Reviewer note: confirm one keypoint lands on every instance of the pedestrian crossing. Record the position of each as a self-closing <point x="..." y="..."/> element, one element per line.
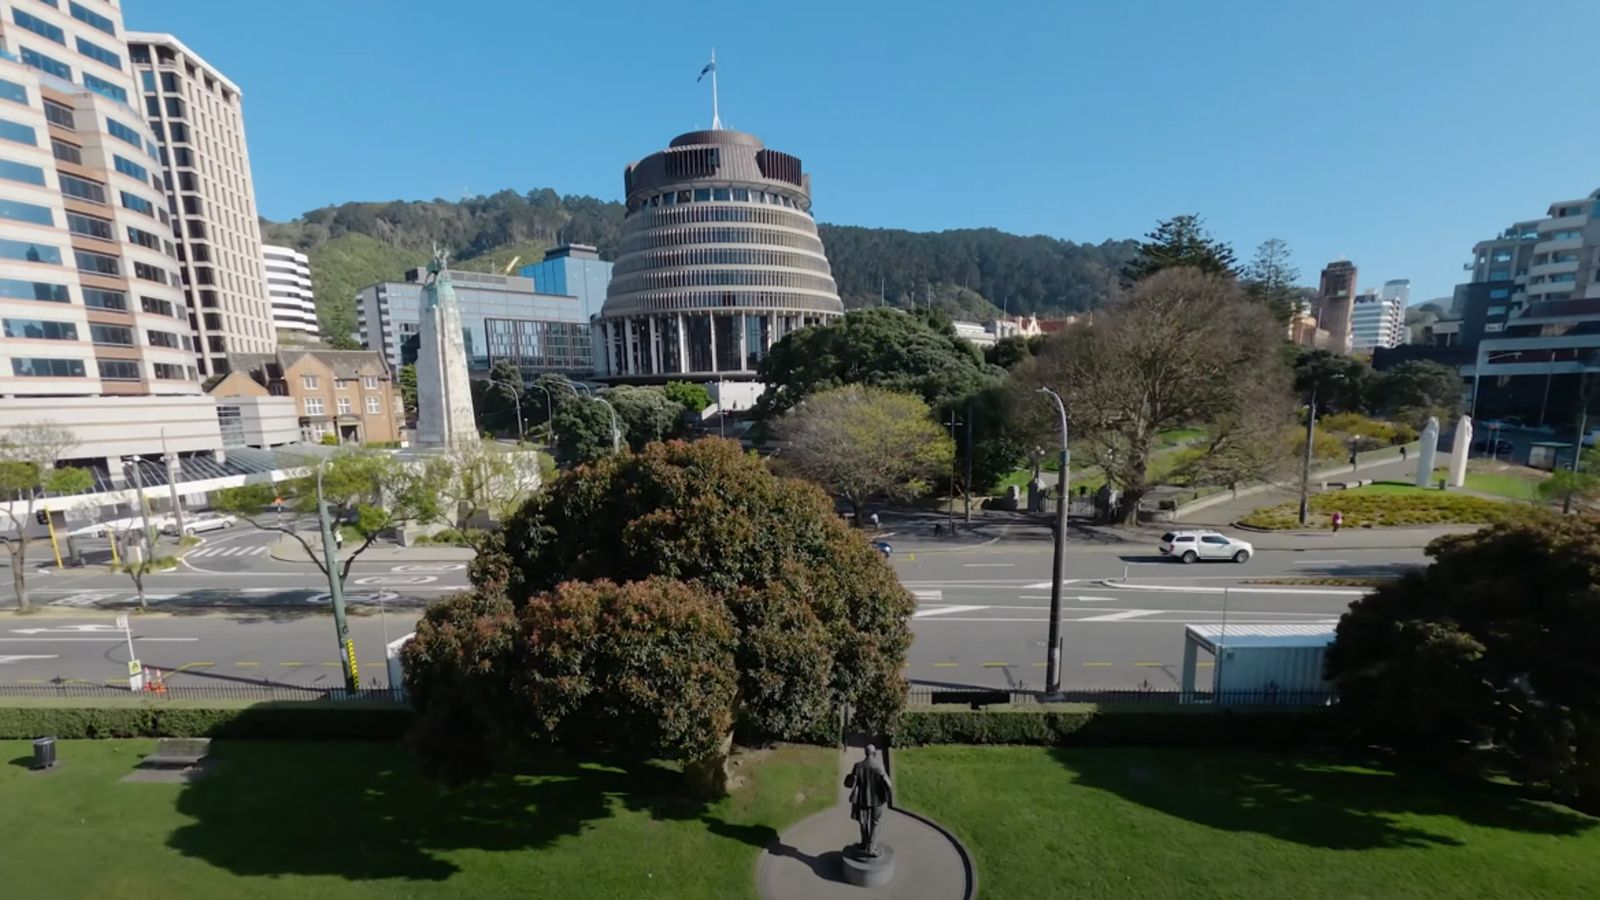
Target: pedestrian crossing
<point x="216" y="552"/>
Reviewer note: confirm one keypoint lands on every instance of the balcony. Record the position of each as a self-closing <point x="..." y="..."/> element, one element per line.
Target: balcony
<point x="1563" y="223"/>
<point x="1554" y="268"/>
<point x="1574" y="243"/>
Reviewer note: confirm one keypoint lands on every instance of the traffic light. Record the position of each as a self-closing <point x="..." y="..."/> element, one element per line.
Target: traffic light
<point x="42" y="517"/>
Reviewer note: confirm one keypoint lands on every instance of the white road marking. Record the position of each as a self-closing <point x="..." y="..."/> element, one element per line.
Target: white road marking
<point x="987" y="565"/>
<point x="88" y="598"/>
<point x="1321" y="562"/>
<point x="94" y="640"/>
<point x="1083" y="599"/>
<point x="14" y="659"/>
<point x="927" y="596"/>
<point x="1192" y="589"/>
<point x="942" y="610"/>
<point x="68" y="629"/>
<point x="423" y="568"/>
<point x="397" y="579"/>
<point x="1124" y="614"/>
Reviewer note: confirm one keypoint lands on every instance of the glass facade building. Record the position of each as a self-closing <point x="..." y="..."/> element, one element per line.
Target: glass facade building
<point x="719" y="259"/>
<point x="575" y="270"/>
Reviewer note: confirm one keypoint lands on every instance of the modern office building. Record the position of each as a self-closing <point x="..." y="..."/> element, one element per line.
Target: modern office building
<point x="288" y="273"/>
<point x="198" y="118"/>
<point x="575" y="270"/>
<point x="502" y="318"/>
<point x="94" y="331"/>
<point x="1397" y="289"/>
<point x="1336" y="296"/>
<point x="719" y="259"/>
<point x="1377" y="321"/>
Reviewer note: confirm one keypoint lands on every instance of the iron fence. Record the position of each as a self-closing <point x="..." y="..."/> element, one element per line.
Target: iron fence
<point x="89" y="690"/>
<point x="981" y="697"/>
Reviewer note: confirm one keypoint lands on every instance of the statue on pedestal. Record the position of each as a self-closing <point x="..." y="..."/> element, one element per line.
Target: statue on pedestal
<point x="444" y="396"/>
<point x="870" y="792"/>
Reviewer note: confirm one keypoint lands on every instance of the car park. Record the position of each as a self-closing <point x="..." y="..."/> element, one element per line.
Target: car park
<point x="1194" y="546"/>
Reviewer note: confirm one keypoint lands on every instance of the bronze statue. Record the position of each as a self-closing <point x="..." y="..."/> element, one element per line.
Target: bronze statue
<point x="870" y="792"/>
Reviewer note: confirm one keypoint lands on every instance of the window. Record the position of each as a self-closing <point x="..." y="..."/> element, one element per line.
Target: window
<point x="158" y="307"/>
<point x="1499" y="293"/>
<point x="27" y="251"/>
<point x="47" y="64"/>
<point x="97" y="263"/>
<point x="374" y="405"/>
<point x="95" y="51"/>
<point x="1565" y="235"/>
<point x="26" y="174"/>
<point x="344" y="406"/>
<point x="119" y="370"/>
<point x="310" y="382"/>
<point x="10" y="90"/>
<point x="34" y="290"/>
<point x="721" y="194"/>
<point x="60" y="115"/>
<point x="89" y="226"/>
<point x="41" y="330"/>
<point x="341" y="384"/>
<point x="192" y="206"/>
<point x="1495" y="326"/>
<point x="182" y="156"/>
<point x="144" y="239"/>
<point x="148" y="79"/>
<point x="25" y="212"/>
<point x="66" y="152"/>
<point x="702" y="195"/>
<point x="47" y="368"/>
<point x="39" y="27"/>
<point x="130" y="168"/>
<point x="175" y="107"/>
<point x="104" y="88"/>
<point x="169" y="82"/>
<point x="111" y="334"/>
<point x="93" y="19"/>
<point x="313" y="406"/>
<point x="1499" y="275"/>
<point x="179" y="132"/>
<point x="123" y="133"/>
<point x="1495" y="311"/>
<point x="163" y="339"/>
<point x="369" y="382"/>
<point x="82" y="188"/>
<point x="168" y="371"/>
<point x="138" y="204"/>
<point x="146" y="272"/>
<point x="187" y="181"/>
<point x="22" y="134"/>
<point x="100" y="299"/>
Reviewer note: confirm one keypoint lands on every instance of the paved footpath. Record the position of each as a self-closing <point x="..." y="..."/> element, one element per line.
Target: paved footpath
<point x="804" y="863"/>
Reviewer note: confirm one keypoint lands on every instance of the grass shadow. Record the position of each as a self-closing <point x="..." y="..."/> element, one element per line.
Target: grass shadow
<point x="23" y="762"/>
<point x="364" y="812"/>
<point x="1325" y="805"/>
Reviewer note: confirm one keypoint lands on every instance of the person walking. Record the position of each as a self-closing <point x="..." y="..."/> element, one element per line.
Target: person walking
<point x="1402" y="452"/>
<point x="1338" y="519"/>
<point x="874" y="520"/>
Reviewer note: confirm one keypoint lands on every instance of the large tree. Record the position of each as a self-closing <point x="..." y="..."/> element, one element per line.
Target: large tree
<point x="1178" y="243"/>
<point x="1419" y="388"/>
<point x="1270" y="279"/>
<point x="1183" y="349"/>
<point x="1341" y="384"/>
<point x="817" y="618"/>
<point x="29" y="471"/>
<point x="1487" y="656"/>
<point x="864" y="443"/>
<point x="878" y="347"/>
<point x="692" y="396"/>
<point x="582" y="428"/>
<point x="478" y="486"/>
<point x="646" y="414"/>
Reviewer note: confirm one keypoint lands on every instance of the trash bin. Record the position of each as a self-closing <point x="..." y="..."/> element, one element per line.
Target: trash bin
<point x="44" y="753"/>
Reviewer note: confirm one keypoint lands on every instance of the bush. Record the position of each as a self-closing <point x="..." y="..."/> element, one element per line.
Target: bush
<point x="1090" y="726"/>
<point x="1386" y="507"/>
<point x="315" y="721"/>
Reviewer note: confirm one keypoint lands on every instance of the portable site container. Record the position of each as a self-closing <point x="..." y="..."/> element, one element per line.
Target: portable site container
<point x="1282" y="663"/>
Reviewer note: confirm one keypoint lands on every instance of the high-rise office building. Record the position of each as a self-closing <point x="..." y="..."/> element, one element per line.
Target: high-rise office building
<point x="1397" y="289"/>
<point x="575" y="270"/>
<point x="1335" y="301"/>
<point x="719" y="259"/>
<point x="94" y="329"/>
<point x="1377" y="320"/>
<point x="288" y="274"/>
<point x="197" y="115"/>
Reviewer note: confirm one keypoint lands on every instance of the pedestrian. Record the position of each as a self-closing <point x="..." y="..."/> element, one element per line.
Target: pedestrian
<point x="1352" y="460"/>
<point x="1402" y="452"/>
<point x="874" y="521"/>
<point x="1338" y="519"/>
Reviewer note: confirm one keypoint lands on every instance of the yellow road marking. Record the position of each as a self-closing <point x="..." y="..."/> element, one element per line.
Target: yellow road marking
<point x="196" y="665"/>
<point x="330" y="665"/>
<point x="291" y="664"/>
<point x="945" y="665"/>
<point x="1205" y="665"/>
<point x="247" y="664"/>
<point x="1101" y="664"/>
<point x="1041" y="665"/>
<point x="1150" y="665"/>
<point x="995" y="665"/>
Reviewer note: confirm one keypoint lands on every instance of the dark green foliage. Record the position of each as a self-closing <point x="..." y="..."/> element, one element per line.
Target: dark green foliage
<point x="408" y="388"/>
<point x="1487" y="657"/>
<point x="1008" y="352"/>
<point x="1270" y="278"/>
<point x="583" y="430"/>
<point x="1139" y="726"/>
<point x="1342" y="383"/>
<point x="877" y="347"/>
<point x="646" y="414"/>
<point x="317" y="721"/>
<point x="691" y="396"/>
<point x="1418" y="384"/>
<point x="1180" y="242"/>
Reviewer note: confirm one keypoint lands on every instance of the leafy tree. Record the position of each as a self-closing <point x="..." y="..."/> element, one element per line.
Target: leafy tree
<point x="877" y="347"/>
<point x="1486" y="658"/>
<point x="408" y="388"/>
<point x="1420" y="384"/>
<point x="863" y="443"/>
<point x="817" y="618"/>
<point x="29" y="471"/>
<point x="583" y="430"/>
<point x="1009" y="352"/>
<point x="479" y="486"/>
<point x="645" y="414"/>
<point x="1342" y="383"/>
<point x="1180" y="242"/>
<point x="138" y="558"/>
<point x="1270" y="279"/>
<point x="337" y="333"/>
<point x="691" y="396"/>
<point x="1182" y="349"/>
<point x="369" y="491"/>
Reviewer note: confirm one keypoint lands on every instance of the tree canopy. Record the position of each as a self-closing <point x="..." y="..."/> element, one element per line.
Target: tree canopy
<point x="691" y="396"/>
<point x="1180" y="242"/>
<point x="647" y="414"/>
<point x="29" y="454"/>
<point x="583" y="430"/>
<point x="1270" y="279"/>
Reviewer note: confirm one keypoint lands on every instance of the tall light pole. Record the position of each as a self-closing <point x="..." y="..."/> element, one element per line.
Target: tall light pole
<point x="549" y="410"/>
<point x="516" y="397"/>
<point x="1052" y="672"/>
<point x="952" y="509"/>
<point x="967" y="493"/>
<point x="1305" y="462"/>
<point x="616" y="433"/>
<point x="330" y="556"/>
<point x="172" y="483"/>
<point x="144" y="508"/>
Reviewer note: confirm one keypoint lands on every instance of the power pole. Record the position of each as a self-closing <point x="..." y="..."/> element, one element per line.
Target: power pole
<point x="966" y="492"/>
<point x="1052" y="675"/>
<point x="953" y="424"/>
<point x="341" y="624"/>
<point x="144" y="508"/>
<point x="171" y="459"/>
<point x="1305" y="463"/>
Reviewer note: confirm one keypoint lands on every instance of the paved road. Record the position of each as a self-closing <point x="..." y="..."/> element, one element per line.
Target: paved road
<point x="982" y="611"/>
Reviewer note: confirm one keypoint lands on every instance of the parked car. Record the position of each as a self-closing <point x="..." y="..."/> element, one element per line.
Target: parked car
<point x="1495" y="448"/>
<point x="201" y="524"/>
<point x="883" y="547"/>
<point x="1193" y="546"/>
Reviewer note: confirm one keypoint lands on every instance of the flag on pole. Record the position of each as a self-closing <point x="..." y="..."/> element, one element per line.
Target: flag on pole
<point x="710" y="67"/>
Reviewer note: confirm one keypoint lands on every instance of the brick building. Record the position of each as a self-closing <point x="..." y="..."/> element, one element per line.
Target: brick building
<point x="348" y="393"/>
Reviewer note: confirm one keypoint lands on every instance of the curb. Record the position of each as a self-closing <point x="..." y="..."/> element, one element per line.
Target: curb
<point x="961" y="849"/>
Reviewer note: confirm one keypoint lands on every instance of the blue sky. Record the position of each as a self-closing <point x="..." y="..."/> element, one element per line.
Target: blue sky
<point x="1391" y="133"/>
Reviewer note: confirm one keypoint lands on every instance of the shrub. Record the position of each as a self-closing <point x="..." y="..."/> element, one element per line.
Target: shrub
<point x="1386" y="507"/>
<point x="317" y="721"/>
<point x="1090" y="726"/>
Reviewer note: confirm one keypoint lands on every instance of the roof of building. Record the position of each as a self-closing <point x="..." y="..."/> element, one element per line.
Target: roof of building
<point x="161" y="37"/>
<point x="345" y="364"/>
<point x="1309" y="634"/>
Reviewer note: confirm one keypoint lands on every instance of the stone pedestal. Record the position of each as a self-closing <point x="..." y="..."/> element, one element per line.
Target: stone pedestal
<point x="868" y="871"/>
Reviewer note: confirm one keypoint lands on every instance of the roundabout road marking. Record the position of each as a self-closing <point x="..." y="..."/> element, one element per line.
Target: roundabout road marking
<point x="397" y="579"/>
<point x="420" y="568"/>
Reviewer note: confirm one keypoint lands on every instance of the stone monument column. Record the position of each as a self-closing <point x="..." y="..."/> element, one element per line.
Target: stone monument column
<point x="444" y="396"/>
<point x="1459" y="451"/>
<point x="1426" y="452"/>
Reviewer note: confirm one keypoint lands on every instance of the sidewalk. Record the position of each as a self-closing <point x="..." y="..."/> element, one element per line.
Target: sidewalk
<point x="1232" y="509"/>
<point x="804" y="862"/>
<point x="290" y="551"/>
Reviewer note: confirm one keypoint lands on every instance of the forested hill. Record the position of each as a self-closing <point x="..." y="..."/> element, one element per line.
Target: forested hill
<point x="966" y="271"/>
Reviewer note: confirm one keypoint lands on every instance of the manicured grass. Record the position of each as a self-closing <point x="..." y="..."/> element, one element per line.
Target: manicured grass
<point x="1048" y="823"/>
<point x="308" y="820"/>
<point x="1389" y="504"/>
<point x="1181" y="436"/>
<point x="1510" y="485"/>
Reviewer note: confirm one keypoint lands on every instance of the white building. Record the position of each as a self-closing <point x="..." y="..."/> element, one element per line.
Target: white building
<point x="288" y="274"/>
<point x="1397" y="289"/>
<point x="1377" y="321"/>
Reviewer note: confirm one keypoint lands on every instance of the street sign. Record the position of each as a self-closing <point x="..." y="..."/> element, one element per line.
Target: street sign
<point x="135" y="667"/>
<point x="122" y="623"/>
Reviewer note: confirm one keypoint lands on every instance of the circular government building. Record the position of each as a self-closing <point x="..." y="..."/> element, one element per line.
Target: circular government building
<point x="719" y="259"/>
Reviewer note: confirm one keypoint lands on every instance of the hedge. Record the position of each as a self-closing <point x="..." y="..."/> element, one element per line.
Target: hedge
<point x="1123" y="727"/>
<point x="266" y="721"/>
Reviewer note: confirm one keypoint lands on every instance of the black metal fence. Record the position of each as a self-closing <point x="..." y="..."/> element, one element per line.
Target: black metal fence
<point x="979" y="698"/>
<point x="89" y="690"/>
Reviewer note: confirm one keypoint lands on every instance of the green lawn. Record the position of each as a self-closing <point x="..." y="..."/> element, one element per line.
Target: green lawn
<point x="337" y="820"/>
<point x="1391" y="504"/>
<point x="1050" y="823"/>
<point x="1511" y="485"/>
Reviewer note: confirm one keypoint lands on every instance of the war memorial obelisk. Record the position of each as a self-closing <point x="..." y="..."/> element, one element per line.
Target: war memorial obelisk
<point x="444" y="397"/>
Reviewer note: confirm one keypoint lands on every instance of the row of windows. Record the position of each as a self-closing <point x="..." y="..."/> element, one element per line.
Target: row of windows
<point x="314" y="406"/>
<point x="721" y="256"/>
<point x="13" y="289"/>
<point x="104" y="88"/>
<point x="116" y="335"/>
<point x="47" y="64"/>
<point x="163" y="339"/>
<point x="47" y="368"/>
<point x="695" y="215"/>
<point x="103" y="299"/>
<point x="21" y="172"/>
<point x="174" y="107"/>
<point x="25" y="212"/>
<point x="144" y="238"/>
<point x="39" y="26"/>
<point x="40" y="330"/>
<point x="724" y="300"/>
<point x="682" y="237"/>
<point x="130" y="168"/>
<point x="123" y="133"/>
<point x="95" y="51"/>
<point x="643" y="281"/>
<point x="716" y="195"/>
<point x="98" y="263"/>
<point x="66" y="152"/>
<point x="10" y="90"/>
<point x="122" y="370"/>
<point x="314" y="382"/>
<point x="27" y="251"/>
<point x="18" y="132"/>
<point x="89" y="226"/>
<point x="82" y="188"/>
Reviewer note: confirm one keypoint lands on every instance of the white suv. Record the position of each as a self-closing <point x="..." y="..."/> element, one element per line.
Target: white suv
<point x="1193" y="546"/>
<point x="201" y="523"/>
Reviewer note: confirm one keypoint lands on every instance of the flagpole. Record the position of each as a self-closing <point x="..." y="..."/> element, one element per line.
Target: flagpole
<point x="716" y="120"/>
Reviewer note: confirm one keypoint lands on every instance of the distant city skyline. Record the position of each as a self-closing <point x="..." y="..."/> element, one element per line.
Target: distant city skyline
<point x="1085" y="122"/>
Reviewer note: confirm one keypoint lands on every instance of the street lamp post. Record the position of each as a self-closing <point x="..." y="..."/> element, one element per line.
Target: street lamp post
<point x="517" y="399"/>
<point x="330" y="557"/>
<point x="144" y="508"/>
<point x="952" y="508"/>
<point x="1305" y="462"/>
<point x="616" y="433"/>
<point x="549" y="410"/>
<point x="172" y="483"/>
<point x="1052" y="676"/>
